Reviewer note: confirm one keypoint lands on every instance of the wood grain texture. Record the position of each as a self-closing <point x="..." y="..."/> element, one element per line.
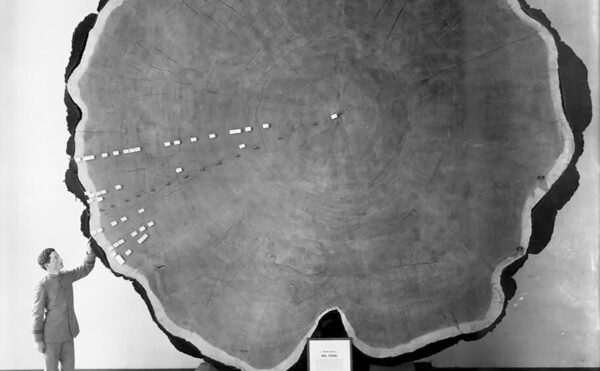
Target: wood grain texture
<point x="401" y="213"/>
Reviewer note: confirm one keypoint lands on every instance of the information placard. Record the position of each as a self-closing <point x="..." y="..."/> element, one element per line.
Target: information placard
<point x="330" y="354"/>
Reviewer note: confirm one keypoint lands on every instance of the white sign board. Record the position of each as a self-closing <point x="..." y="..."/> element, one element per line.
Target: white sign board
<point x="329" y="355"/>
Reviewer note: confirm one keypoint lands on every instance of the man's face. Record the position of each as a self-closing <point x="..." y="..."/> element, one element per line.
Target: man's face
<point x="55" y="264"/>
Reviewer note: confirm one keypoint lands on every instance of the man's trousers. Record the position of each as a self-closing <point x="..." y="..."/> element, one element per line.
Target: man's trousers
<point x="63" y="352"/>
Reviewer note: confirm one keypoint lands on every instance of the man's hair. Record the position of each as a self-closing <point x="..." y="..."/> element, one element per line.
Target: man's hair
<point x="44" y="257"/>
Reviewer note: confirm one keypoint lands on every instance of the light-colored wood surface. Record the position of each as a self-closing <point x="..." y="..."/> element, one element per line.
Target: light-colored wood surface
<point x="400" y="213"/>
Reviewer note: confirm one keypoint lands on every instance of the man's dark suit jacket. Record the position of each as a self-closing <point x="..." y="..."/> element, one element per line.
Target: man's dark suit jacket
<point x="54" y="317"/>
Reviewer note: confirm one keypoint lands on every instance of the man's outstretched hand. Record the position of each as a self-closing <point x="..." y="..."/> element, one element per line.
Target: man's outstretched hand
<point x="90" y="251"/>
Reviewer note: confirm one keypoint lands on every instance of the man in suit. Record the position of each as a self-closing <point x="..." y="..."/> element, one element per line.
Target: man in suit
<point x="54" y="321"/>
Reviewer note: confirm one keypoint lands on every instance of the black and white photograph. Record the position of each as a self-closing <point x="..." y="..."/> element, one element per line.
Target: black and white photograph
<point x="309" y="185"/>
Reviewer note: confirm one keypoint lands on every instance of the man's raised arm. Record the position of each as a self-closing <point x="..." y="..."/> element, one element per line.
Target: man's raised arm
<point x="87" y="266"/>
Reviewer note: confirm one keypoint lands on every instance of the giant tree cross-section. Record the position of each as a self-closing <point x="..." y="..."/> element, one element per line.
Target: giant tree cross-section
<point x="254" y="164"/>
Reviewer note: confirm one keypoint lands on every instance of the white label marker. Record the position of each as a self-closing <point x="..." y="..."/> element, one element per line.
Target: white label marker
<point x="120" y="259"/>
<point x="142" y="239"/>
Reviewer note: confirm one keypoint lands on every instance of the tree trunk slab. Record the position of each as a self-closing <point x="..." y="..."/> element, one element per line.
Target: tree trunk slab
<point x="388" y="158"/>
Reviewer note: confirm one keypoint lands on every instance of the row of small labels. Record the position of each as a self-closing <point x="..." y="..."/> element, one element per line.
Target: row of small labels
<point x="178" y="142"/>
<point x="166" y="144"/>
<point x="125" y="151"/>
<point x="247" y="129"/>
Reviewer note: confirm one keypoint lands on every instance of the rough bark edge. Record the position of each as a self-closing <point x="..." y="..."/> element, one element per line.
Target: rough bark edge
<point x="576" y="104"/>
